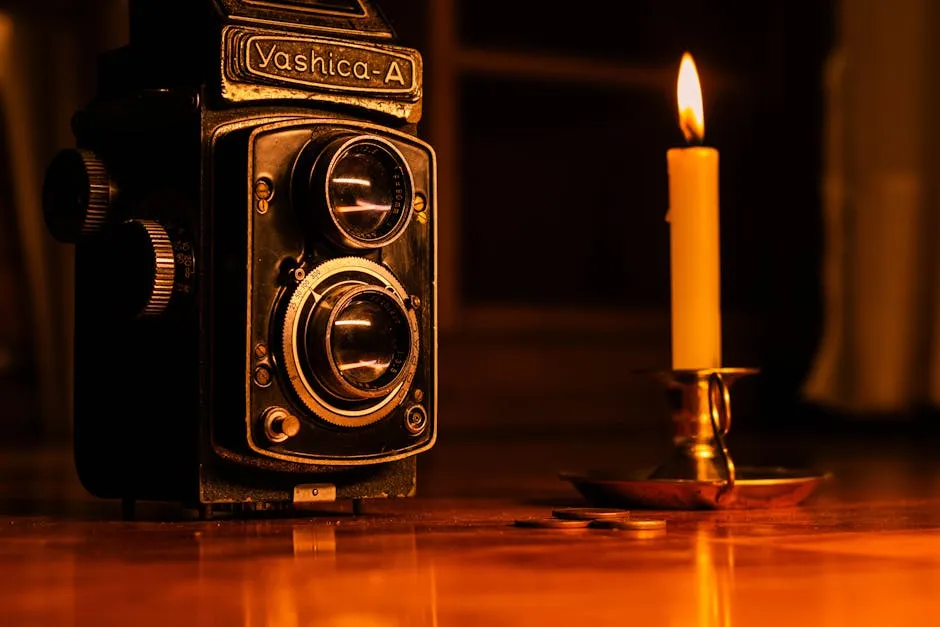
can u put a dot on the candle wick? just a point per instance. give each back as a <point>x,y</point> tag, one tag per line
<point>693,136</point>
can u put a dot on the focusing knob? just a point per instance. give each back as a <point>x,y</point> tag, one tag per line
<point>162,274</point>
<point>77,194</point>
<point>139,259</point>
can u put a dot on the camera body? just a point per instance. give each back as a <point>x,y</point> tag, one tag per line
<point>255,274</point>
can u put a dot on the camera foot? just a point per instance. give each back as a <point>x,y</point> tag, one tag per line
<point>205,511</point>
<point>357,507</point>
<point>128,509</point>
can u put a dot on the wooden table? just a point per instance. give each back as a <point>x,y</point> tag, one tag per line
<point>866,551</point>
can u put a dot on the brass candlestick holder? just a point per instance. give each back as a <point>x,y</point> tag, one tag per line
<point>700,402</point>
<point>701,473</point>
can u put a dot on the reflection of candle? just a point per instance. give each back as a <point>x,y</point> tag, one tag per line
<point>693,219</point>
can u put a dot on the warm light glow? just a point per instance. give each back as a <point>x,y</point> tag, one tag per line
<point>361,206</point>
<point>353,181</point>
<point>691,109</point>
<point>371,363</point>
<point>353,323</point>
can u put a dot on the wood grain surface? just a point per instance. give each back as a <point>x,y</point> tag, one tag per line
<point>866,551</point>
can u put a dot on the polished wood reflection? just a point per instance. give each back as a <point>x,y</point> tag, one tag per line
<point>866,551</point>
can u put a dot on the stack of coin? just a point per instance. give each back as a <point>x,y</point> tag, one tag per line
<point>596,518</point>
<point>627,524</point>
<point>552,523</point>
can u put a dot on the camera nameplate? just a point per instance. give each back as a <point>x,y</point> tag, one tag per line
<point>260,64</point>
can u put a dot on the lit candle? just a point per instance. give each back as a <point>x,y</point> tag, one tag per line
<point>694,237</point>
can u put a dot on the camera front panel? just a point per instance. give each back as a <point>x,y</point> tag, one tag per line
<point>341,337</point>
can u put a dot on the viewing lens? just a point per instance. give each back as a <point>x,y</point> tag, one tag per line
<point>369,190</point>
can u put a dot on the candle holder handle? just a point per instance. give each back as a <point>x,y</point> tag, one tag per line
<point>701,416</point>
<point>719,410</point>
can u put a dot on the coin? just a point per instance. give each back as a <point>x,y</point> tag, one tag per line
<point>633,524</point>
<point>590,513</point>
<point>551,523</point>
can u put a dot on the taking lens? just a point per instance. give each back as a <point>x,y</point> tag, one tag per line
<point>350,341</point>
<point>364,342</point>
<point>368,190</point>
<point>359,341</point>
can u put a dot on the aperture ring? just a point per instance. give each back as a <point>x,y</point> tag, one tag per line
<point>317,397</point>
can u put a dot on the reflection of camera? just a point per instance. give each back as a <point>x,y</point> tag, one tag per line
<point>255,259</point>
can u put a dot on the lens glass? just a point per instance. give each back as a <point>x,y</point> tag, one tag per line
<point>368,190</point>
<point>365,341</point>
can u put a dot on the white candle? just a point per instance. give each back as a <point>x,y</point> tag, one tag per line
<point>694,235</point>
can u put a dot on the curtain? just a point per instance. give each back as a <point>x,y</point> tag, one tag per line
<point>47,71</point>
<point>880,350</point>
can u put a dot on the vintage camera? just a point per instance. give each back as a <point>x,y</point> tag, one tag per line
<point>255,273</point>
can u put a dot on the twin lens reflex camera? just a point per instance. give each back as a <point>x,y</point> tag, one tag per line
<point>255,272</point>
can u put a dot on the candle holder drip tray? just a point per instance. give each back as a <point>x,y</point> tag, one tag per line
<point>700,473</point>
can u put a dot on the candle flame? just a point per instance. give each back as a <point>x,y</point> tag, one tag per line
<point>691,109</point>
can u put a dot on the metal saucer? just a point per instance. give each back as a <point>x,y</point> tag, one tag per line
<point>753,488</point>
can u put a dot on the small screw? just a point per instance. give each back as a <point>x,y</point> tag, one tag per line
<point>262,376</point>
<point>419,395</point>
<point>299,274</point>
<point>415,302</point>
<point>420,203</point>
<point>315,492</point>
<point>416,421</point>
<point>263,206</point>
<point>264,189</point>
<point>261,351</point>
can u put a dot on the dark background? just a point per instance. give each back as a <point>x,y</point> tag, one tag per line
<point>552,126</point>
<point>563,120</point>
